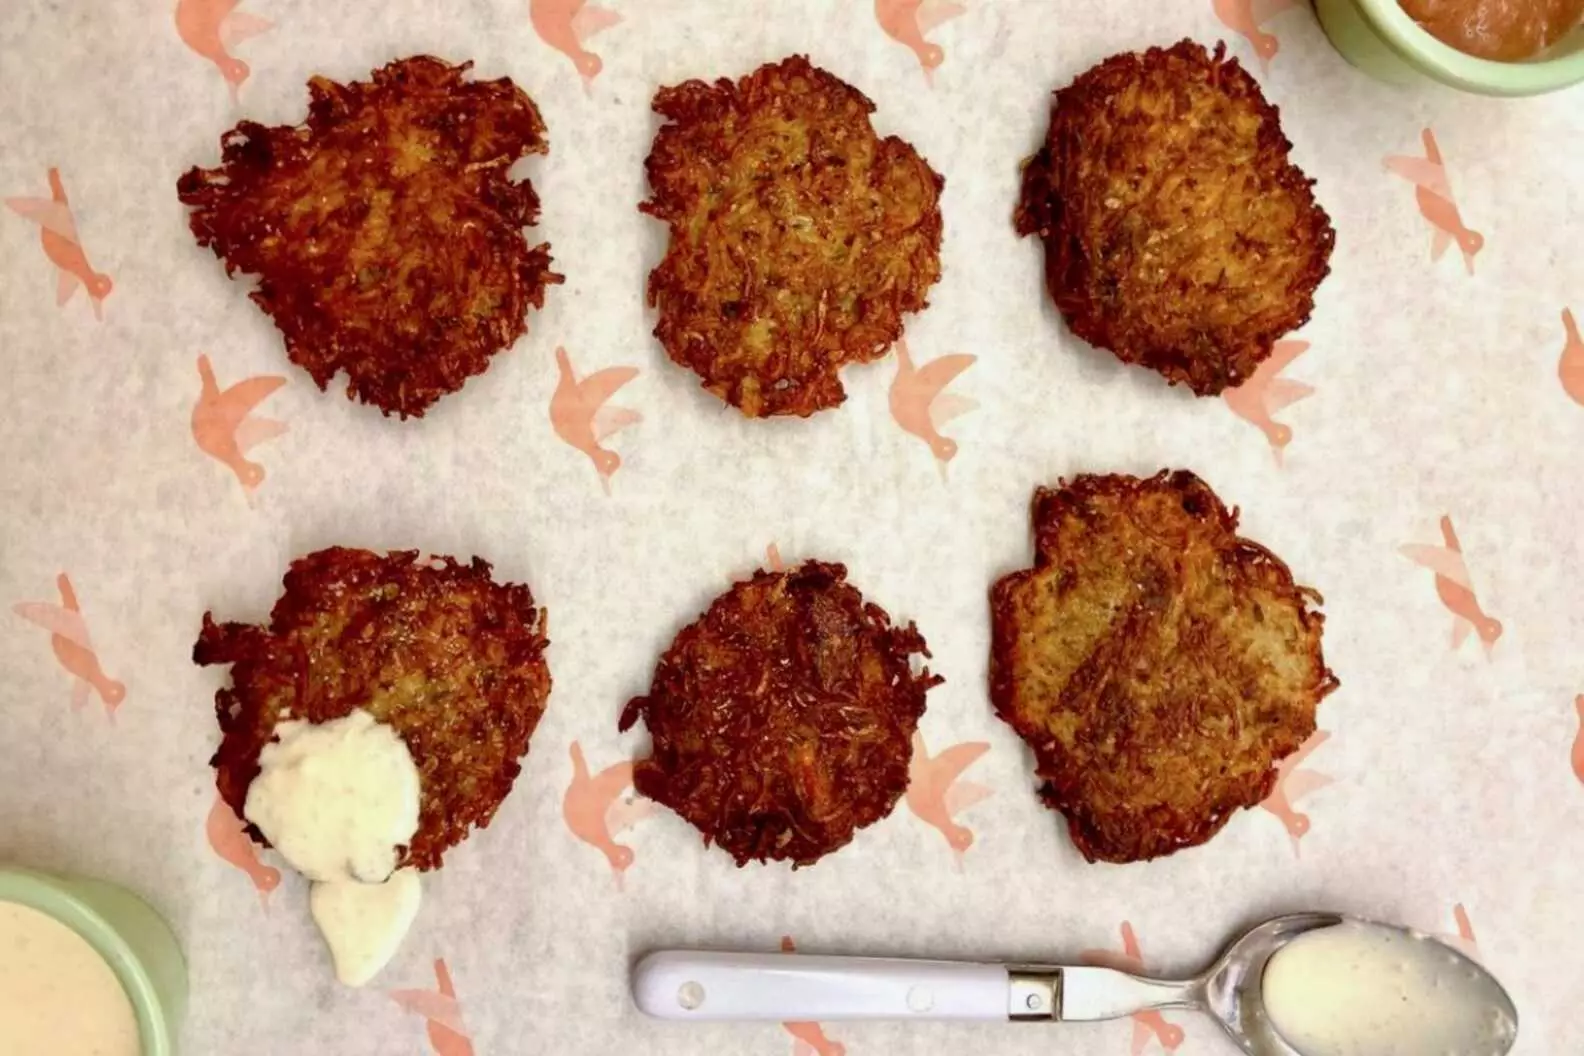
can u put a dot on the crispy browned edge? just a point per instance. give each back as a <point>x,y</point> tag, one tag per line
<point>827,645</point>
<point>799,375</point>
<point>454,301</point>
<point>466,745</point>
<point>1095,841</point>
<point>1078,283</point>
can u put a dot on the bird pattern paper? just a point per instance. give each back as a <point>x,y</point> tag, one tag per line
<point>1411,452</point>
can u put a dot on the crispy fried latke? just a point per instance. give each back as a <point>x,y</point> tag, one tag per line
<point>1177,233</point>
<point>452,660</point>
<point>385,233</point>
<point>782,719</point>
<point>1158,664</point>
<point>798,237</point>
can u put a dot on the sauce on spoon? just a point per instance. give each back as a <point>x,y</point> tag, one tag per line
<point>1357,989</point>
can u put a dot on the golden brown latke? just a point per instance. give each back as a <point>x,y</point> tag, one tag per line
<point>1158,664</point>
<point>385,233</point>
<point>1177,233</point>
<point>798,237</point>
<point>782,719</point>
<point>452,660</point>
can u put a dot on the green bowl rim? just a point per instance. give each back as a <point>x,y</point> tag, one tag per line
<point>1419,48</point>
<point>53,894</point>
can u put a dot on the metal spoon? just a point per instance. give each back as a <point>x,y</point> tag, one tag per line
<point>703,985</point>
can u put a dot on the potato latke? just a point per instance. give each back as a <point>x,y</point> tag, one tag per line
<point>782,719</point>
<point>798,237</point>
<point>1158,664</point>
<point>451,660</point>
<point>1177,232</point>
<point>385,233</point>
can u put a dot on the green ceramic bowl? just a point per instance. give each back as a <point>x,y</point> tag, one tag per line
<point>127,933</point>
<point>1379,38</point>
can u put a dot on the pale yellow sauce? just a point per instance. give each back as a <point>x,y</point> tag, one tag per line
<point>1357,989</point>
<point>338,800</point>
<point>58,997</point>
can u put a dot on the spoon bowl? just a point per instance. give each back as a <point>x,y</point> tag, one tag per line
<point>1355,986</point>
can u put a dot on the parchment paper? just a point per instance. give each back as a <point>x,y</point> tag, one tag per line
<point>1455,798</point>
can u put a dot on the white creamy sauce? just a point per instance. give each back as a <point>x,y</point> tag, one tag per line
<point>1356,989</point>
<point>364,923</point>
<point>57,995</point>
<point>337,799</point>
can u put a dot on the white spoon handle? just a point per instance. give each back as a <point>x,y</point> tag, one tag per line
<point>691,984</point>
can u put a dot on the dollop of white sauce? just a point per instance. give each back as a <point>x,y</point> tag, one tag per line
<point>1356,989</point>
<point>57,995</point>
<point>364,924</point>
<point>338,799</point>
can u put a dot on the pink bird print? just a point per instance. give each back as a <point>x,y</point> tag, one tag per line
<point>1146,1025</point>
<point>1433,192</point>
<point>808,1039</point>
<point>919,404</point>
<point>1454,587</point>
<point>936,796</point>
<point>222,428</point>
<point>1463,938</point>
<point>211,28</point>
<point>1266,393</point>
<point>566,25</point>
<point>908,22</point>
<point>579,414</point>
<point>1465,927</point>
<point>1578,740</point>
<point>596,813</point>
<point>448,1034</point>
<point>1571,366</point>
<point>63,247</point>
<point>73,647</point>
<point>1245,17</point>
<point>229,839</point>
<point>1293,784</point>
